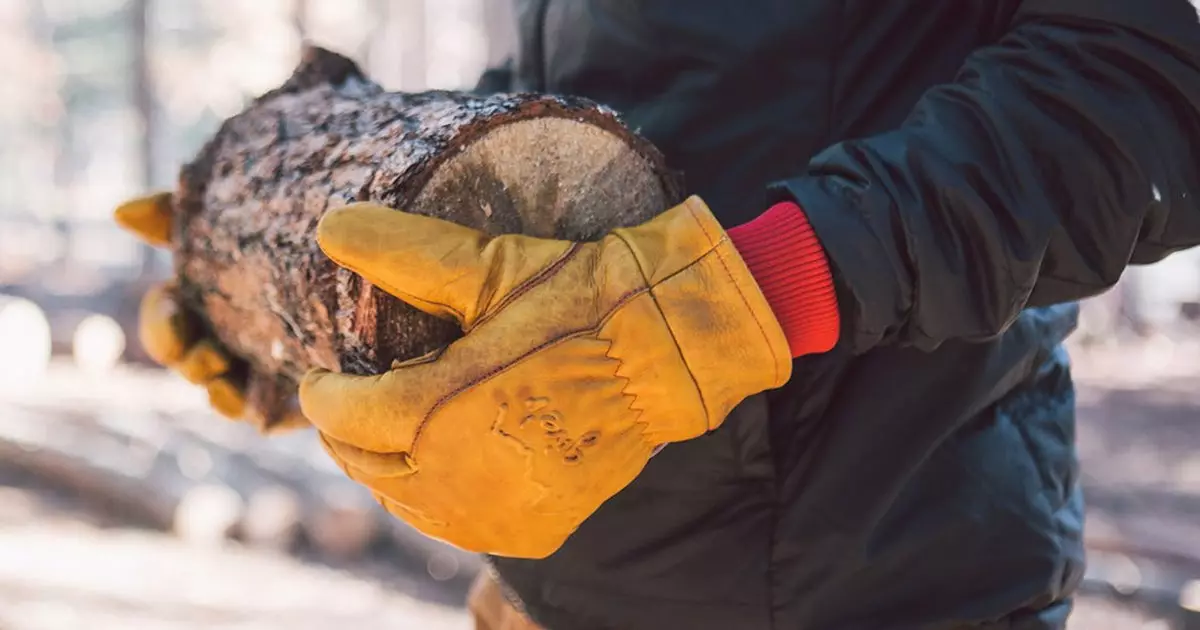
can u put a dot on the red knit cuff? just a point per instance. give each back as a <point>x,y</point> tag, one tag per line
<point>791,268</point>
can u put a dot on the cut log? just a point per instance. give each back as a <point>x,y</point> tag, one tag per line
<point>129,475</point>
<point>248,206</point>
<point>158,472</point>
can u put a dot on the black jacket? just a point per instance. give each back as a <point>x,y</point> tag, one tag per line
<point>972,167</point>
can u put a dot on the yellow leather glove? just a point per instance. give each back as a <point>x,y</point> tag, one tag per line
<point>578,360</point>
<point>173,337</point>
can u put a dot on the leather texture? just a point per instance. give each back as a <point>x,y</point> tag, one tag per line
<point>578,360</point>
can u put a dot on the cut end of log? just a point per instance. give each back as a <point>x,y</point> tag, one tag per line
<point>542,176</point>
<point>546,176</point>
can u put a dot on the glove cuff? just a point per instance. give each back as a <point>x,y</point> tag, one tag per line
<point>720,321</point>
<point>790,266</point>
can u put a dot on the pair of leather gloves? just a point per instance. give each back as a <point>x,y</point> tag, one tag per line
<point>579,360</point>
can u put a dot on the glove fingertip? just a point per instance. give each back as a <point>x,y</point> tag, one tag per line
<point>164,329</point>
<point>316,388</point>
<point>342,232</point>
<point>341,406</point>
<point>226,398</point>
<point>149,218</point>
<point>202,363</point>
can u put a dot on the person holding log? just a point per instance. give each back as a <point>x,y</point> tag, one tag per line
<point>849,338</point>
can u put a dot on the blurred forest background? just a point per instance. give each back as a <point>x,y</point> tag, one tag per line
<point>124,503</point>
<point>104,99</point>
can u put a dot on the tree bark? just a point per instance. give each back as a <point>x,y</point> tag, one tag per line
<point>248,206</point>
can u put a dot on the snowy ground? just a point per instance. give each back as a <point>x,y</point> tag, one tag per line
<point>64,567</point>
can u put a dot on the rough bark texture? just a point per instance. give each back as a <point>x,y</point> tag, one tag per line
<point>248,206</point>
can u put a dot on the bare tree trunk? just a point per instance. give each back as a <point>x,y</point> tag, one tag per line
<point>58,135</point>
<point>144,105</point>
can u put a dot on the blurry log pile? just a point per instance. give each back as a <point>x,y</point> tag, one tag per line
<point>212,485</point>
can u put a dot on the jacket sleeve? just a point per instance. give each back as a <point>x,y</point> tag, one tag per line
<point>495,80</point>
<point>1061,154</point>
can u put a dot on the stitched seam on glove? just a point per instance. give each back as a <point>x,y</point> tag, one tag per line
<point>335,446</point>
<point>736,285</point>
<point>757,322</point>
<point>496,371</point>
<point>625,299</point>
<point>342,463</point>
<point>633,398</point>
<point>528,284</point>
<point>666,323</point>
<point>380,498</point>
<point>679,351</point>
